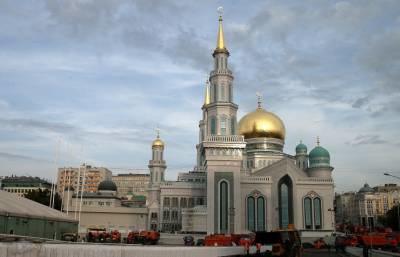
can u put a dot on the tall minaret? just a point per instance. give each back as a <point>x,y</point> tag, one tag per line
<point>220,151</point>
<point>157,164</point>
<point>219,110</point>
<point>157,168</point>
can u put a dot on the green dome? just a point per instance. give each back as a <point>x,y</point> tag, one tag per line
<point>319,157</point>
<point>366,189</point>
<point>107,185</point>
<point>301,148</point>
<point>319,152</point>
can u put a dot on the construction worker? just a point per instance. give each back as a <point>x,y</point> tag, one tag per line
<point>258,247</point>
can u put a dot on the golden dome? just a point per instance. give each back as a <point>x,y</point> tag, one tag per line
<point>261,123</point>
<point>158,142</point>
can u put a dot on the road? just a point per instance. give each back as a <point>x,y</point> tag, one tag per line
<point>323,253</point>
<point>312,253</point>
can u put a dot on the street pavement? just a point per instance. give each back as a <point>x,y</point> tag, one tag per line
<point>323,253</point>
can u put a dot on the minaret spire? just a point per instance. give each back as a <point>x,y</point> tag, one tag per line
<point>220,39</point>
<point>259,100</point>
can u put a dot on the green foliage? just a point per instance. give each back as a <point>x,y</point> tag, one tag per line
<point>392,218</point>
<point>43,197</point>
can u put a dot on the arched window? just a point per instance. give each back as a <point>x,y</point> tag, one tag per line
<point>317,213</point>
<point>285,193</point>
<point>312,211</point>
<point>233,127</point>
<point>213,129</point>
<point>256,212</point>
<point>215,93</point>
<point>223,126</point>
<point>222,88</point>
<point>308,213</point>
<point>251,213</point>
<point>260,214</point>
<point>223,207</point>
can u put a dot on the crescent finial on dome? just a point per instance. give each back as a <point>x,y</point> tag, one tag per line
<point>259,100</point>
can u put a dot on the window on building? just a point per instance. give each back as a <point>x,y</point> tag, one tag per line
<point>213,129</point>
<point>256,213</point>
<point>166,215</point>
<point>285,202</point>
<point>251,214</point>
<point>223,207</point>
<point>222,88</point>
<point>223,126</point>
<point>166,201</point>
<point>317,213</point>
<point>215,93</point>
<point>183,203</point>
<point>175,202</point>
<point>260,214</point>
<point>191,202</point>
<point>233,125</point>
<point>308,213</point>
<point>154,215</point>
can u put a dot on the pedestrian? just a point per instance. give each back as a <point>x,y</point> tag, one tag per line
<point>365,251</point>
<point>258,246</point>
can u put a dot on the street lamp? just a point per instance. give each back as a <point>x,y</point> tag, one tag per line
<point>391,175</point>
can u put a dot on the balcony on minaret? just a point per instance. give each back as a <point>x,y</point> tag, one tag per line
<point>157,162</point>
<point>220,72</point>
<point>225,138</point>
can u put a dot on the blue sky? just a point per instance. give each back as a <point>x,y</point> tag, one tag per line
<point>100,76</point>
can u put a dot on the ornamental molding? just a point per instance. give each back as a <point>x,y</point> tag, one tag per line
<point>312,194</point>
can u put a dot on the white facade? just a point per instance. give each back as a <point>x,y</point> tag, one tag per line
<point>242,181</point>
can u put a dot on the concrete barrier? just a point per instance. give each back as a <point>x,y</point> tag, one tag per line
<point>22,249</point>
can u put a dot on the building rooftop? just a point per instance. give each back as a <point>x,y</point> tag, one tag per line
<point>14,205</point>
<point>23,181</point>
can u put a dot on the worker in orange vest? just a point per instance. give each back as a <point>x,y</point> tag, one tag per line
<point>258,246</point>
<point>247,247</point>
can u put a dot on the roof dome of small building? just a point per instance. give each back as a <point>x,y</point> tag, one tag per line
<point>158,142</point>
<point>319,157</point>
<point>107,185</point>
<point>319,152</point>
<point>366,189</point>
<point>301,148</point>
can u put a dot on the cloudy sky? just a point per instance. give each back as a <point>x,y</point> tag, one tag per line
<point>96,77</point>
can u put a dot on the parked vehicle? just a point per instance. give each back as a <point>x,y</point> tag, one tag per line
<point>143,237</point>
<point>281,242</point>
<point>72,237</point>
<point>96,235</point>
<point>188,240</point>
<point>228,240</point>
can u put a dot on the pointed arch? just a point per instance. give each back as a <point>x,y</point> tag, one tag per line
<point>285,199</point>
<point>223,206</point>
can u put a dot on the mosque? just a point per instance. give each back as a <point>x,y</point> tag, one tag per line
<point>243,180</point>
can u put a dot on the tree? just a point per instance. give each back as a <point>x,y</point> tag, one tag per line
<point>43,197</point>
<point>392,218</point>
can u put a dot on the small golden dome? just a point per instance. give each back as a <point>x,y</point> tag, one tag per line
<point>261,123</point>
<point>158,142</point>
